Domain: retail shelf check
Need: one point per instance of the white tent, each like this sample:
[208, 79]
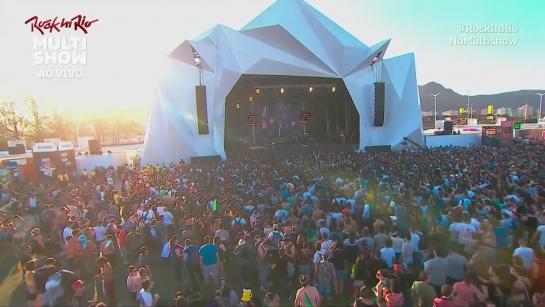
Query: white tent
[289, 38]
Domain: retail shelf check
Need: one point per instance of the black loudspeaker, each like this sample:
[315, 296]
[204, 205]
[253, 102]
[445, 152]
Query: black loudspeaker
[94, 147]
[205, 159]
[378, 148]
[202, 112]
[379, 104]
[19, 149]
[447, 127]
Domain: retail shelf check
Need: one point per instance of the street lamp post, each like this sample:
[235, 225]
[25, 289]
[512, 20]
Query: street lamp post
[540, 104]
[435, 109]
[468, 106]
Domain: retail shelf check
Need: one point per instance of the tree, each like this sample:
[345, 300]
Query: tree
[11, 124]
[125, 128]
[130, 127]
[38, 123]
[100, 128]
[61, 127]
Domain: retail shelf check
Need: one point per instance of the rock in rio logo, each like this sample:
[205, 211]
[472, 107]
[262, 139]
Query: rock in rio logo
[60, 56]
[78, 22]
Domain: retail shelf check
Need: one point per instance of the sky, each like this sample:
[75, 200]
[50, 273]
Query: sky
[128, 45]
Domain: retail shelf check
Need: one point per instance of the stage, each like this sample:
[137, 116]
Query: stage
[276, 77]
[273, 150]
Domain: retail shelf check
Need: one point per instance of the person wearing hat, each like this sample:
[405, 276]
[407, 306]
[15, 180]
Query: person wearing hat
[307, 295]
[247, 298]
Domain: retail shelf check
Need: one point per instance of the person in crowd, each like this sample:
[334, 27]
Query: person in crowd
[29, 282]
[144, 297]
[446, 299]
[307, 295]
[107, 277]
[338, 217]
[365, 298]
[422, 292]
[466, 293]
[437, 268]
[209, 261]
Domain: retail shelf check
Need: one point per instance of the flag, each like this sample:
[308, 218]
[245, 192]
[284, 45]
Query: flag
[214, 205]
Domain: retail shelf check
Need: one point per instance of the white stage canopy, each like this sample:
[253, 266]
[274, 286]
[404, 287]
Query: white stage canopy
[290, 38]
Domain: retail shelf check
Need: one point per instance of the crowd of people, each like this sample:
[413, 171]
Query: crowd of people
[440, 227]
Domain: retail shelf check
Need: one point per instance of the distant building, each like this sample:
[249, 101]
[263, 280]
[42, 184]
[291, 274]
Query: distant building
[426, 113]
[526, 111]
[450, 113]
[504, 111]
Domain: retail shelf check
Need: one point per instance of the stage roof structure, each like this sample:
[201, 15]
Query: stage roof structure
[289, 38]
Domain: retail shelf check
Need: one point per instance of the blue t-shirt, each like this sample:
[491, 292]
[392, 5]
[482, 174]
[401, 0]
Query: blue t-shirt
[388, 255]
[209, 254]
[501, 237]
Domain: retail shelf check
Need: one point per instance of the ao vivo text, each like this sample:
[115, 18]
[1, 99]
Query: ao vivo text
[60, 73]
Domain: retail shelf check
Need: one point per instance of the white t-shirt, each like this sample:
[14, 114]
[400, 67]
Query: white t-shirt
[148, 216]
[240, 220]
[144, 298]
[33, 201]
[541, 235]
[160, 210]
[100, 232]
[526, 254]
[325, 246]
[168, 218]
[67, 232]
[466, 234]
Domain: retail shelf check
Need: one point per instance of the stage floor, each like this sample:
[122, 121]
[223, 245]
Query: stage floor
[283, 149]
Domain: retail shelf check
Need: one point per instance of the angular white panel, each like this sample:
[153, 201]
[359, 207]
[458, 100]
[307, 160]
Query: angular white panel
[289, 38]
[398, 70]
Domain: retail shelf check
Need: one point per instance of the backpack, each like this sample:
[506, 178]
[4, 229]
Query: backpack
[241, 251]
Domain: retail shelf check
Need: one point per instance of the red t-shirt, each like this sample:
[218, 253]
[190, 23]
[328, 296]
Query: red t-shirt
[122, 237]
[445, 302]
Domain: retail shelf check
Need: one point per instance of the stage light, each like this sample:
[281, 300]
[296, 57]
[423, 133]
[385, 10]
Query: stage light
[310, 89]
[333, 89]
[237, 106]
[257, 90]
[281, 90]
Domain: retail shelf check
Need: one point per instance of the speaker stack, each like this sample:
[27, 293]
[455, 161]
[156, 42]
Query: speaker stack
[447, 128]
[202, 112]
[380, 148]
[95, 148]
[379, 104]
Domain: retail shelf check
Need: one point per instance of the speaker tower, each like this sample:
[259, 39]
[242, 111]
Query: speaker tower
[379, 104]
[202, 112]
